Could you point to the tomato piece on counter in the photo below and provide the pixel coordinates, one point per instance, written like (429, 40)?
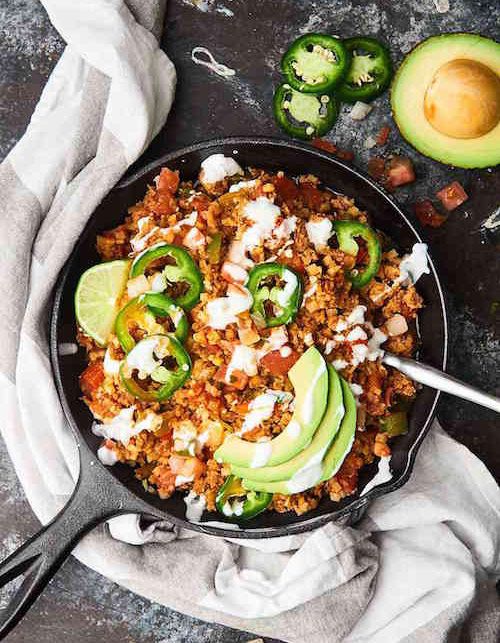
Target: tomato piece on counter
(168, 181)
(399, 171)
(277, 364)
(427, 214)
(92, 377)
(327, 146)
(376, 168)
(383, 135)
(452, 195)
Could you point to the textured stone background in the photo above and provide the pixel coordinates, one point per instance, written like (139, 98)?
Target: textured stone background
(250, 36)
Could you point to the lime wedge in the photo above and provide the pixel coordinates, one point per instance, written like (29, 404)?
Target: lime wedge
(96, 298)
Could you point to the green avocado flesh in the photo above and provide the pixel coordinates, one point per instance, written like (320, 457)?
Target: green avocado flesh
(332, 461)
(445, 99)
(309, 377)
(313, 454)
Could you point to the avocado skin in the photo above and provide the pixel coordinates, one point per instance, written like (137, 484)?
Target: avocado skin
(455, 159)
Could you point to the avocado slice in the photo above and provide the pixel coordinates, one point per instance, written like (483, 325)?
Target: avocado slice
(318, 472)
(309, 377)
(445, 99)
(313, 454)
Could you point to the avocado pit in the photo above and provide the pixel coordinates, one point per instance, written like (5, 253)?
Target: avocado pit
(463, 99)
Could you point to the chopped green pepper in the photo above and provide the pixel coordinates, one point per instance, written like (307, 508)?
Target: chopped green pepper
(315, 63)
(214, 248)
(236, 503)
(274, 304)
(304, 115)
(143, 311)
(346, 232)
(395, 423)
(182, 270)
(155, 368)
(370, 72)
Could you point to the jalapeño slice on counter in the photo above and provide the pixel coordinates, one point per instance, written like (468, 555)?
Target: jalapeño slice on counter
(304, 115)
(155, 368)
(277, 293)
(236, 503)
(315, 63)
(181, 269)
(346, 232)
(149, 312)
(370, 72)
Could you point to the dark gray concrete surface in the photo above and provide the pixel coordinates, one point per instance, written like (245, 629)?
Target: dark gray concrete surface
(80, 605)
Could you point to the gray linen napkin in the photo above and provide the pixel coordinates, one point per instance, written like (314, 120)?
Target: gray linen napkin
(108, 96)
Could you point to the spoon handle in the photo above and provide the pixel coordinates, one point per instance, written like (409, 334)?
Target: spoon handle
(437, 379)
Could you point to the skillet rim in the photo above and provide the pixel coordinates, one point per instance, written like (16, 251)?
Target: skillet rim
(357, 504)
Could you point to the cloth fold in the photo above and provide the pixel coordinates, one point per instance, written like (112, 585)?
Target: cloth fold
(417, 560)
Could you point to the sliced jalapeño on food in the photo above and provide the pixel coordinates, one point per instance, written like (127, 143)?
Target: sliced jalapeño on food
(178, 269)
(347, 232)
(155, 368)
(277, 293)
(236, 503)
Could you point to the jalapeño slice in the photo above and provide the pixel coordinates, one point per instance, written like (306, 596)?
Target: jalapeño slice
(146, 313)
(182, 269)
(155, 368)
(304, 115)
(274, 303)
(315, 63)
(370, 72)
(236, 503)
(346, 232)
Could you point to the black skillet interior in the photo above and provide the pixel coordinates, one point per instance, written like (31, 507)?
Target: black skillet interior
(295, 159)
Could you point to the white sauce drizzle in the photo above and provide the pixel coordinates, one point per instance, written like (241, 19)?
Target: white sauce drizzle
(210, 63)
(319, 231)
(244, 358)
(217, 167)
(111, 366)
(107, 456)
(262, 454)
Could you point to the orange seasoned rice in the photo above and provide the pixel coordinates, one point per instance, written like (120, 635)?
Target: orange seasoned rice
(207, 405)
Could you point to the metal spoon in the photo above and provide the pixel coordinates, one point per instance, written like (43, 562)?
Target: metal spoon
(441, 381)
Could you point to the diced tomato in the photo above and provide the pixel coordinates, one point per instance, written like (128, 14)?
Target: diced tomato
(383, 135)
(427, 214)
(294, 262)
(188, 467)
(276, 364)
(168, 181)
(165, 204)
(376, 167)
(399, 171)
(321, 144)
(238, 379)
(452, 195)
(311, 196)
(345, 155)
(200, 203)
(286, 189)
(92, 377)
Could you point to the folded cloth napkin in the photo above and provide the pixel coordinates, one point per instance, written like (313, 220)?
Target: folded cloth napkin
(413, 569)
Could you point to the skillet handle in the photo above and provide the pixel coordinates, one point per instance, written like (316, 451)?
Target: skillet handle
(92, 503)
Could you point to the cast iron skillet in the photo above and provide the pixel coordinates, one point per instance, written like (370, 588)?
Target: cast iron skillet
(102, 492)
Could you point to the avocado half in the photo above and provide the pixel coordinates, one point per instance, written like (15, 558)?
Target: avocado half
(445, 99)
